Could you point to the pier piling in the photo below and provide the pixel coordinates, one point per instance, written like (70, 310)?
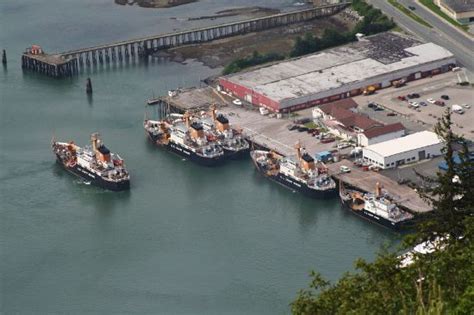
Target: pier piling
(4, 57)
(70, 62)
(89, 86)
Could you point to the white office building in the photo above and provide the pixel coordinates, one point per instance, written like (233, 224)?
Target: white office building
(412, 148)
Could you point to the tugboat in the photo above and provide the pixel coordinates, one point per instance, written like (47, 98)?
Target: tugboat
(185, 138)
(95, 164)
(300, 174)
(379, 207)
(230, 139)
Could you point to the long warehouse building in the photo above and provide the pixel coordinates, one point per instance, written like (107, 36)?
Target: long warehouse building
(374, 61)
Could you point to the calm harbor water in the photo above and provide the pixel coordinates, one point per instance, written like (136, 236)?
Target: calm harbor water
(185, 239)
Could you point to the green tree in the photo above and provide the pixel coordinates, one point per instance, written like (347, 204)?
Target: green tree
(441, 282)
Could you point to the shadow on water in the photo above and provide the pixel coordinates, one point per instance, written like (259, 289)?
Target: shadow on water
(90, 99)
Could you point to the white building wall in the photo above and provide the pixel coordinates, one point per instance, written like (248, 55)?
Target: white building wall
(363, 141)
(400, 158)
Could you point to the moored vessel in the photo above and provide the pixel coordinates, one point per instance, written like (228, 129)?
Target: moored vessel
(379, 207)
(231, 140)
(94, 164)
(299, 173)
(185, 137)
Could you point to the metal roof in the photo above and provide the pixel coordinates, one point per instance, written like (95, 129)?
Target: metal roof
(371, 57)
(459, 6)
(405, 144)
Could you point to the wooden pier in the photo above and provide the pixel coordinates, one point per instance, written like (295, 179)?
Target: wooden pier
(34, 59)
(70, 62)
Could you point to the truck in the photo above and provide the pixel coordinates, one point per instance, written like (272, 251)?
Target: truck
(369, 90)
(399, 83)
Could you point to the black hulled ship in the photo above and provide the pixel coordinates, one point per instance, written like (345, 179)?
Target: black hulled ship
(94, 163)
(231, 140)
(379, 208)
(299, 173)
(186, 138)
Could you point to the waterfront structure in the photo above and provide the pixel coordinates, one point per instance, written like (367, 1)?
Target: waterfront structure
(412, 148)
(460, 10)
(140, 48)
(53, 65)
(342, 120)
(376, 61)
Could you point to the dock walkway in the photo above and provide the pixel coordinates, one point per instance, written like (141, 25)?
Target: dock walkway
(367, 180)
(272, 133)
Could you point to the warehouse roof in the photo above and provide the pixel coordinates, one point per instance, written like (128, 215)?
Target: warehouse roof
(357, 62)
(405, 144)
(459, 6)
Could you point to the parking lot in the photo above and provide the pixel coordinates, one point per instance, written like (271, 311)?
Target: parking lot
(425, 117)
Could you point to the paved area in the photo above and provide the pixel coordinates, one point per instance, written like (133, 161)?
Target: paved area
(407, 174)
(272, 132)
(367, 180)
(426, 117)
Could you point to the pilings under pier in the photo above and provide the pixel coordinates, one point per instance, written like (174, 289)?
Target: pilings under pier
(4, 57)
(68, 63)
(51, 65)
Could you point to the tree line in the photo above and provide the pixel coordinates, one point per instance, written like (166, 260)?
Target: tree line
(373, 22)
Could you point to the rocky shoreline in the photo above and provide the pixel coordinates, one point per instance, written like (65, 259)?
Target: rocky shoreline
(154, 3)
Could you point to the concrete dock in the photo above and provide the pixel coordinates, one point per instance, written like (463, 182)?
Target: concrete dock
(367, 180)
(272, 133)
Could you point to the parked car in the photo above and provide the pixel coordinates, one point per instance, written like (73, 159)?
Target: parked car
(413, 104)
(391, 114)
(439, 103)
(445, 97)
(402, 98)
(466, 106)
(292, 127)
(237, 102)
(344, 169)
(411, 7)
(431, 100)
(413, 95)
(372, 105)
(302, 121)
(328, 140)
(423, 104)
(302, 128)
(343, 145)
(378, 108)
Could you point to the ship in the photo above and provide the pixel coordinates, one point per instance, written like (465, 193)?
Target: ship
(230, 139)
(298, 173)
(379, 207)
(94, 163)
(186, 137)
